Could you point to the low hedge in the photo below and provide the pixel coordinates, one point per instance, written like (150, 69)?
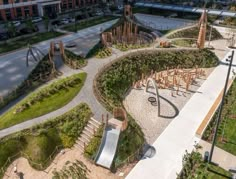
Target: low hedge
(40, 141)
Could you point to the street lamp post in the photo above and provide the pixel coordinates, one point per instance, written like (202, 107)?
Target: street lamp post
(230, 59)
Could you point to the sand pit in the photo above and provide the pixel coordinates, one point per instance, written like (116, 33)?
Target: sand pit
(146, 115)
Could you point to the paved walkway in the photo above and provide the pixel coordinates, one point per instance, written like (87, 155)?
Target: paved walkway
(221, 157)
(180, 134)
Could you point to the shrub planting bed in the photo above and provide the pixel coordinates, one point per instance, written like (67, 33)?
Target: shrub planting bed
(192, 32)
(184, 42)
(226, 134)
(104, 52)
(126, 47)
(39, 75)
(40, 143)
(73, 170)
(74, 61)
(194, 167)
(44, 100)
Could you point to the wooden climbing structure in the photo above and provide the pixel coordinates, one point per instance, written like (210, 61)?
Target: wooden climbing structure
(127, 32)
(172, 79)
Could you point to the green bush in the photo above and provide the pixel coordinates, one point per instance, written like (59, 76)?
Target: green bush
(92, 148)
(104, 52)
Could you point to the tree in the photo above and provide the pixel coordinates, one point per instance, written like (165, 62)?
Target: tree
(10, 27)
(29, 24)
(46, 22)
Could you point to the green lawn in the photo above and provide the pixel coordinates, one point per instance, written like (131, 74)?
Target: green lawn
(23, 42)
(88, 23)
(44, 105)
(215, 172)
(227, 128)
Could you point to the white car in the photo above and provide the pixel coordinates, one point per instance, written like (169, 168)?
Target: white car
(16, 23)
(36, 19)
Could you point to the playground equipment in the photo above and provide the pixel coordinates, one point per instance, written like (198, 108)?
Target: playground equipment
(171, 79)
(113, 128)
(34, 52)
(202, 31)
(127, 32)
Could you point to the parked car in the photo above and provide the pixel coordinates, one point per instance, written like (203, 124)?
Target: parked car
(26, 30)
(4, 36)
(70, 19)
(56, 22)
(65, 21)
(36, 19)
(16, 23)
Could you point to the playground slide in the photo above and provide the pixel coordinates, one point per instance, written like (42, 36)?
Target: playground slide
(108, 147)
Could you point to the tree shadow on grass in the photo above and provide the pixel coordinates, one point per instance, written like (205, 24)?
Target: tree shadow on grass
(217, 173)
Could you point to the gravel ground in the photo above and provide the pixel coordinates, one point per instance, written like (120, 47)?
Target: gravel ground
(146, 115)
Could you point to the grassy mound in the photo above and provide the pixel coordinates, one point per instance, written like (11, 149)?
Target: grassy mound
(193, 33)
(226, 134)
(44, 100)
(40, 142)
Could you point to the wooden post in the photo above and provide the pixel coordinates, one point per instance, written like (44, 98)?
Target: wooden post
(107, 118)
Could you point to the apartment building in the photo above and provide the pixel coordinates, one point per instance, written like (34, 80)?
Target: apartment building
(15, 9)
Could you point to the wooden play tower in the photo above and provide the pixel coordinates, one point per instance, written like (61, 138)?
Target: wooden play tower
(202, 31)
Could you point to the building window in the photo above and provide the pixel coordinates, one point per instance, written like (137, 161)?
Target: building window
(35, 10)
(5, 1)
(19, 12)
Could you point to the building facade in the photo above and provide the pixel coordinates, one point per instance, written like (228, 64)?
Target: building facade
(17, 9)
